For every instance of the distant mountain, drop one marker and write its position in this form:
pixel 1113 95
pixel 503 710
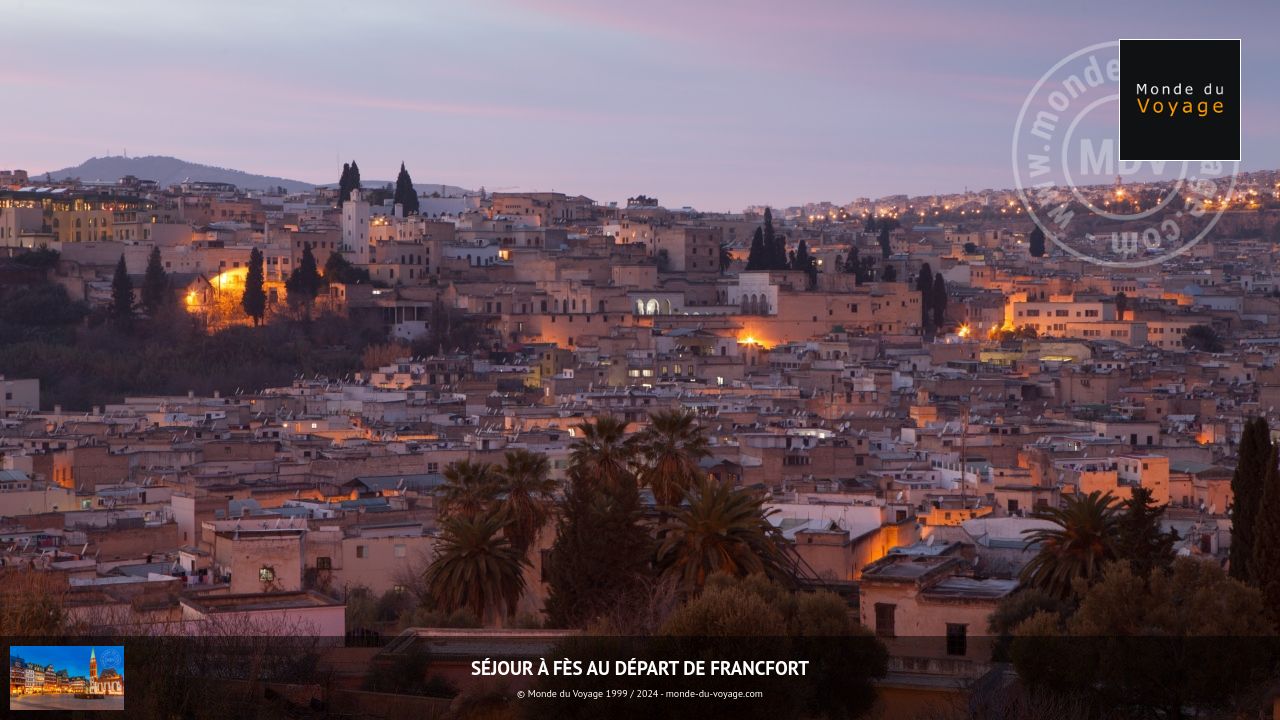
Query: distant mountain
pixel 168 171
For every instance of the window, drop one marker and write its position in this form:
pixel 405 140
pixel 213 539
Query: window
pixel 360 551
pixel 399 551
pixel 324 563
pixel 884 619
pixel 957 639
pixel 267 574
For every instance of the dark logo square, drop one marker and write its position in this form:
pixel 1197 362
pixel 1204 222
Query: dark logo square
pixel 1180 100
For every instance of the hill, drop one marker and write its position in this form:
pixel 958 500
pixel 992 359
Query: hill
pixel 168 171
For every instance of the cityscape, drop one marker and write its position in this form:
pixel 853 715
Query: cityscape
pixel 53 672
pixel 584 397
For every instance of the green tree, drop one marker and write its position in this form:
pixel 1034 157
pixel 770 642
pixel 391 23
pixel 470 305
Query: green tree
pixel 1203 338
pixel 924 285
pixel 756 258
pixel 726 258
pixel 886 249
pixel 970 249
pixel 1140 540
pixel 1190 637
pixel 254 299
pixel 890 273
pixel 304 283
pixel 406 196
pixel 602 555
pixel 349 181
pixel 1035 242
pixel 1266 541
pixel 1083 541
pixel 337 269
pixel 344 183
pixel 1246 489
pixel 1122 303
pixel 155 284
pixel 40 257
pixel 469 488
pixel 476 567
pixel 938 300
pixel 671 448
pixel 815 626
pixel 526 495
pixel 121 307
pixel 601 454
pixel 774 245
pixel 720 529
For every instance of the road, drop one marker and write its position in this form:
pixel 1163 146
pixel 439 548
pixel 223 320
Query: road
pixel 64 702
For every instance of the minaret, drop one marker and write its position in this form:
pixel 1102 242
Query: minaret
pixel 93 667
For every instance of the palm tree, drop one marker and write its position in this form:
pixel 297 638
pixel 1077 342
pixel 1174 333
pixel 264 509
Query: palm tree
pixel 469 488
pixel 1083 541
pixel 602 454
pixel 476 566
pixel 720 529
pixel 671 447
pixel 526 495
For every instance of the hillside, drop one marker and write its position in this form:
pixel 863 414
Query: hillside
pixel 170 171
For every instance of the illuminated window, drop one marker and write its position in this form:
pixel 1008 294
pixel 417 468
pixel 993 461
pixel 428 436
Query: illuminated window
pixel 267 574
pixel 399 551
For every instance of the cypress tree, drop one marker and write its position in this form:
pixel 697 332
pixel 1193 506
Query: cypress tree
pixel 1036 242
pixel 121 307
pixel 939 300
pixel 155 284
pixel 924 285
pixel 889 274
pixel 304 282
pixel 1265 564
pixel 405 195
pixel 344 183
pixel 781 258
pixel 802 258
pixel 1246 488
pixel 355 176
pixel 756 259
pixel 885 249
pixel 775 248
pixel 254 300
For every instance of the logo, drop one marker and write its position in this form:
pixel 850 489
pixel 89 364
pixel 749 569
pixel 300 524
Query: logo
pixel 1180 99
pixel 1085 199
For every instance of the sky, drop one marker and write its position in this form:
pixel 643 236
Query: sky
pixel 72 658
pixel 715 104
